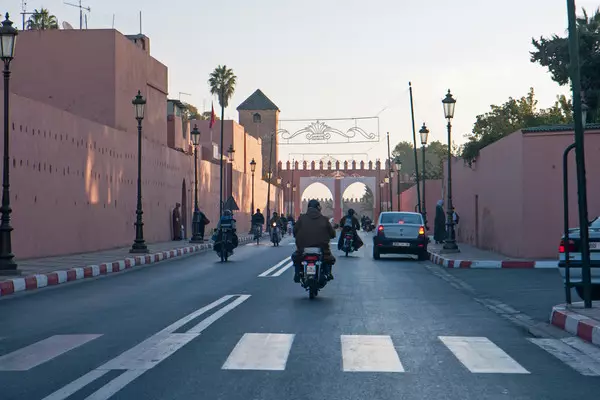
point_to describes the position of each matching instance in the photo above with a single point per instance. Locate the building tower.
(260, 118)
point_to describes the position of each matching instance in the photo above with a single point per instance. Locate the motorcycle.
(223, 250)
(348, 243)
(314, 277)
(275, 234)
(257, 233)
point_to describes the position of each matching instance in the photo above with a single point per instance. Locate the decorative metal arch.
(320, 132)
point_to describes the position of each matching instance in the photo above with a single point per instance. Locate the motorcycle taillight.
(311, 258)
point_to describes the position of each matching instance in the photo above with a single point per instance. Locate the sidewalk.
(51, 271)
(578, 320)
(472, 257)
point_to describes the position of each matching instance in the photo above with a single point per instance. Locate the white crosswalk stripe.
(480, 355)
(261, 351)
(368, 353)
(43, 351)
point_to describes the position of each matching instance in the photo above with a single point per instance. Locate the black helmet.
(227, 212)
(314, 204)
(351, 212)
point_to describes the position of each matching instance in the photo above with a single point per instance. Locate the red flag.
(213, 117)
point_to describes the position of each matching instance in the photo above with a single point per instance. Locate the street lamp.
(139, 245)
(252, 169)
(8, 38)
(381, 196)
(424, 132)
(288, 185)
(450, 243)
(196, 237)
(398, 163)
(387, 182)
(294, 188)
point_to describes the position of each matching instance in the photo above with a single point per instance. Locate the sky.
(344, 58)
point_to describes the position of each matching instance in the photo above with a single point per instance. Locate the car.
(574, 248)
(400, 233)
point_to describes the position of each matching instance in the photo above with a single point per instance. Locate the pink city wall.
(433, 193)
(510, 201)
(74, 149)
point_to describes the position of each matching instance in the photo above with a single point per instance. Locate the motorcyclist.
(313, 230)
(227, 221)
(258, 219)
(275, 219)
(283, 224)
(349, 223)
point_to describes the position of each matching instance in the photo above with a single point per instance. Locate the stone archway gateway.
(337, 176)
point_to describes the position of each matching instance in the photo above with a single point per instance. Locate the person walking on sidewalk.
(176, 222)
(202, 225)
(439, 226)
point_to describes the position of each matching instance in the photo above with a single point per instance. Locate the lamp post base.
(11, 272)
(196, 239)
(139, 248)
(450, 247)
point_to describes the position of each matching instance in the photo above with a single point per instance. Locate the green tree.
(435, 154)
(553, 53)
(511, 116)
(368, 199)
(222, 84)
(190, 112)
(42, 20)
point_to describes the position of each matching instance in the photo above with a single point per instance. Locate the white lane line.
(45, 350)
(282, 270)
(273, 268)
(261, 351)
(76, 385)
(214, 317)
(369, 353)
(147, 354)
(580, 362)
(480, 355)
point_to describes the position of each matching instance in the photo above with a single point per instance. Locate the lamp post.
(288, 185)
(381, 196)
(450, 243)
(252, 169)
(575, 75)
(269, 176)
(139, 244)
(8, 38)
(230, 156)
(294, 188)
(387, 182)
(424, 132)
(196, 238)
(398, 168)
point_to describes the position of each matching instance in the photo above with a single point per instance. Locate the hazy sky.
(345, 58)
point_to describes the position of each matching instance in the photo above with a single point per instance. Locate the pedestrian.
(439, 226)
(176, 222)
(455, 218)
(203, 221)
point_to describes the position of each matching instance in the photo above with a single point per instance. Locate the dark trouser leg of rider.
(341, 239)
(357, 241)
(297, 260)
(329, 260)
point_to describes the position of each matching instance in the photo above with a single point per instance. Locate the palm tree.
(42, 20)
(222, 84)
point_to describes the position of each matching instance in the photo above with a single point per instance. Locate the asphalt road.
(195, 328)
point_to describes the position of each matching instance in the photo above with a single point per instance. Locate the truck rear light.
(562, 247)
(421, 231)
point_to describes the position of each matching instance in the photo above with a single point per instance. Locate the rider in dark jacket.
(258, 218)
(350, 223)
(313, 230)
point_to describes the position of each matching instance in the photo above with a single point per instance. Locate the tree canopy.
(435, 154)
(42, 20)
(190, 112)
(553, 53)
(222, 84)
(511, 116)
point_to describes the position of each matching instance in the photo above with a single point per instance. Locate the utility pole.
(81, 9)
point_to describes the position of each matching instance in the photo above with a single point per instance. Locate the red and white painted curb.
(577, 324)
(39, 281)
(491, 264)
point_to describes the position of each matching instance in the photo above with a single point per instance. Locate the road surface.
(196, 328)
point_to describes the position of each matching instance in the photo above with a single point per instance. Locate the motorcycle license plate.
(311, 269)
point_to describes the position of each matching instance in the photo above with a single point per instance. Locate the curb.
(576, 324)
(38, 281)
(506, 264)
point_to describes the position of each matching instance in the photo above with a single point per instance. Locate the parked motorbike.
(275, 234)
(315, 273)
(348, 243)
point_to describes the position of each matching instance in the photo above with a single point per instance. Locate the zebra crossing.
(359, 353)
